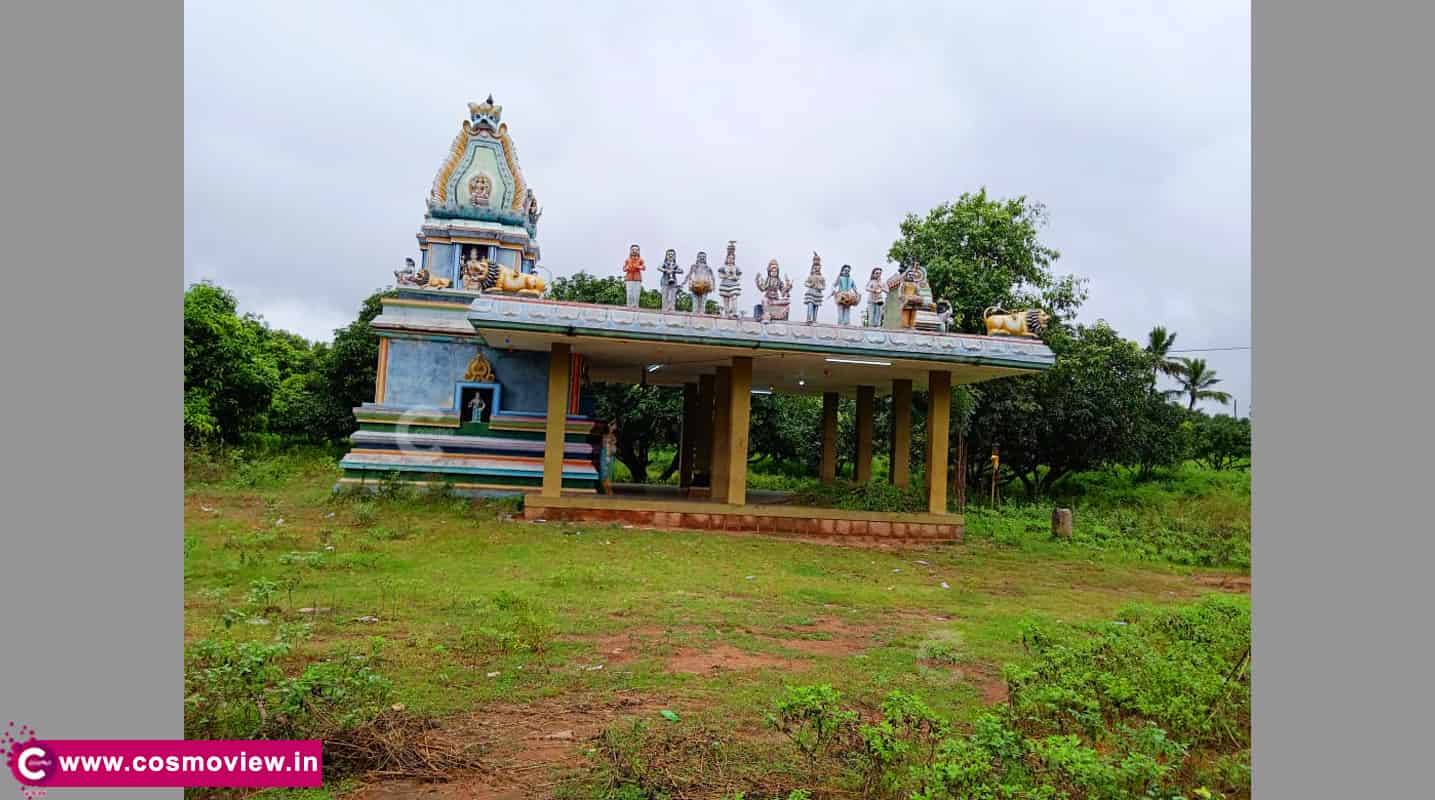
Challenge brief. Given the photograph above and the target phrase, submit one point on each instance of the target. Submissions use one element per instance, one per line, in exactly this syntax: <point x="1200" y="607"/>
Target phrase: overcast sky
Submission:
<point x="313" y="132"/>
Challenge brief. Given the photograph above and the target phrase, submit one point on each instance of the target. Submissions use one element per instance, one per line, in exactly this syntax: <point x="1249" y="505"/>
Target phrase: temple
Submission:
<point x="485" y="385"/>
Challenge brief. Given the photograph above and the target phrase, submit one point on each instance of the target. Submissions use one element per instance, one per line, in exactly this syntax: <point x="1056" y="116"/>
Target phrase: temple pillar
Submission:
<point x="901" y="469"/>
<point x="687" y="438"/>
<point x="739" y="417"/>
<point x="828" y="471"/>
<point x="862" y="472"/>
<point x="722" y="428"/>
<point x="939" y="416"/>
<point x="703" y="450"/>
<point x="555" y="424"/>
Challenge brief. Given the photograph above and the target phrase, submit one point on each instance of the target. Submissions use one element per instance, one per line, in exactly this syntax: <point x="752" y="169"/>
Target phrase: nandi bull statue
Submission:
<point x="1028" y="322"/>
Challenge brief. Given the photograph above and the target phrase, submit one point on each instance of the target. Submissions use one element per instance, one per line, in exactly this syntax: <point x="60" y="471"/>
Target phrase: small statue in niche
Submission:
<point x="670" y="283"/>
<point x="775" y="292"/>
<point x="410" y="275"/>
<point x="845" y="290"/>
<point x="729" y="281"/>
<point x="477" y="274"/>
<point x="480" y="189"/>
<point x="478" y="407"/>
<point x="700" y="282"/>
<point x="876" y="298"/>
<point x="816" y="285"/>
<point x="633" y="275"/>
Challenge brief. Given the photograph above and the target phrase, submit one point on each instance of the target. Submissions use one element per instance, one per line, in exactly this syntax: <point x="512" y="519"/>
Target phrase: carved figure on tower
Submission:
<point x="844" y="289"/>
<point x="477" y="275"/>
<point x="670" y="283"/>
<point x="633" y="275"/>
<point x="700" y="283"/>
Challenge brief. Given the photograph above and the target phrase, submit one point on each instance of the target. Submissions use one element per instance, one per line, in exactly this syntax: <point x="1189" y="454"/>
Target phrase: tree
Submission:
<point x="980" y="252"/>
<point x="229" y="374"/>
<point x="646" y="416"/>
<point x="1221" y="442"/>
<point x="1196" y="380"/>
<point x="1076" y="416"/>
<point x="1159" y="343"/>
<point x="349" y="370"/>
<point x="784" y="428"/>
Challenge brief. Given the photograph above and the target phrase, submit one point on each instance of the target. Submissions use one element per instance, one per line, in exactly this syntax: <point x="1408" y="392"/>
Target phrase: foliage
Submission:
<point x="229" y="375"/>
<point x="811" y="717"/>
<point x="784" y="429"/>
<point x="980" y="251"/>
<point x="1196" y="380"/>
<point x="1221" y="442"/>
<point x="1159" y="343"/>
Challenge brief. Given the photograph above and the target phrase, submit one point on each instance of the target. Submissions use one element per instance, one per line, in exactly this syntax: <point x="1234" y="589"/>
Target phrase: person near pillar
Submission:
<point x="816" y="285"/>
<point x="671" y="272"/>
<point x="844" y="289"/>
<point x="633" y="275"/>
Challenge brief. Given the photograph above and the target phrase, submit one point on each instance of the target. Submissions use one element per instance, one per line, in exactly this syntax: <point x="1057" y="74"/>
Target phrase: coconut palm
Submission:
<point x="1159" y="343"/>
<point x="1196" y="380"/>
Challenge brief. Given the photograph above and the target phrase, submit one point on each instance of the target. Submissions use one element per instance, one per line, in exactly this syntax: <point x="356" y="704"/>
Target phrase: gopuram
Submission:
<point x="485" y="385"/>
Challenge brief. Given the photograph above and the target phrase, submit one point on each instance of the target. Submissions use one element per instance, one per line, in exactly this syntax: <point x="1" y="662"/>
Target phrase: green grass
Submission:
<point x="442" y="592"/>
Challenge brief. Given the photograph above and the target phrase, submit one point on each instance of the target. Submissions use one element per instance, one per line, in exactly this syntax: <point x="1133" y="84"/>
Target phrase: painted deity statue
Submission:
<point x="700" y="282"/>
<point x="816" y="285"/>
<point x="845" y="290"/>
<point x="478" y="407"/>
<point x="729" y="281"/>
<point x="775" y="292"/>
<point x="876" y="298"/>
<point x="409" y="275"/>
<point x="476" y="274"/>
<point x="633" y="275"/>
<point x="913" y="293"/>
<point x="670" y="283"/>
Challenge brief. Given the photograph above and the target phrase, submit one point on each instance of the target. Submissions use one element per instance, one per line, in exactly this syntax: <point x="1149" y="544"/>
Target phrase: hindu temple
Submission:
<point x="485" y="384"/>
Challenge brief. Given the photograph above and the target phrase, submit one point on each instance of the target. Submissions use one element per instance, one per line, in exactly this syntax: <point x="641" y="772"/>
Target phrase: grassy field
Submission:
<point x="601" y="661"/>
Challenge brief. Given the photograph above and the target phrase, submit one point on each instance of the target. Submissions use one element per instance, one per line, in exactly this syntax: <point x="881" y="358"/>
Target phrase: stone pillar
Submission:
<point x="862" y="472"/>
<point x="703" y="458"/>
<point x="722" y="427"/>
<point x="556" y="422"/>
<point x="687" y="438"/>
<point x="828" y="472"/>
<point x="901" y="471"/>
<point x="939" y="417"/>
<point x="739" y="415"/>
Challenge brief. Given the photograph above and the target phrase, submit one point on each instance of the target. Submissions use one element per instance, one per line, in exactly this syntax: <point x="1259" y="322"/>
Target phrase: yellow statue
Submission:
<point x="475" y="271"/>
<point x="1026" y="322"/>
<point x="510" y="280"/>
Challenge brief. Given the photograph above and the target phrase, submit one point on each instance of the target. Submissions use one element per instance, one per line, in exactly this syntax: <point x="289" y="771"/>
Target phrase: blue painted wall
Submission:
<point x="423" y="373"/>
<point x="524" y="376"/>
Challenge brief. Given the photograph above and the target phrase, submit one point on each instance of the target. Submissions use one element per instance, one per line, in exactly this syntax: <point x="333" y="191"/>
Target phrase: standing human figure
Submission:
<point x="633" y="275"/>
<point x="845" y="290"/>
<point x="671" y="271"/>
<point x="700" y="283"/>
<point x="876" y="298"/>
<point x="816" y="285"/>
<point x="729" y="283"/>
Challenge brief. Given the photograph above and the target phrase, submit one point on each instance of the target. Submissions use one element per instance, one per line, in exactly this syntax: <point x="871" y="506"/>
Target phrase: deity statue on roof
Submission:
<point x="477" y="275"/>
<point x="845" y="290"/>
<point x="775" y="292"/>
<point x="910" y="289"/>
<point x="876" y="298"/>
<point x="633" y="275"/>
<point x="409" y="275"/>
<point x="816" y="285"/>
<point x="670" y="283"/>
<point x="700" y="282"/>
<point x="729" y="283"/>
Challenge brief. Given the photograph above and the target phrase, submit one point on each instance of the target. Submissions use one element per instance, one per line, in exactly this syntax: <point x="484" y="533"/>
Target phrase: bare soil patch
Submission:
<point x="725" y="657"/>
<point x="830" y="637"/>
<point x="526" y="748"/>
<point x="1229" y="583"/>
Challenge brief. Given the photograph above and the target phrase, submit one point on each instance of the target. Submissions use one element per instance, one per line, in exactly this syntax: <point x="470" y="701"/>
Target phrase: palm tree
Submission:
<point x="1159" y="343"/>
<point x="1196" y="380"/>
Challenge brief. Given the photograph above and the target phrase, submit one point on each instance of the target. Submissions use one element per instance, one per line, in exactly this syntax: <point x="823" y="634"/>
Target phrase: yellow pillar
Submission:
<point x="703" y="460"/>
<point x="862" y="471"/>
<point x="739" y="415"/>
<point x="554" y="426"/>
<point x="901" y="471"/>
<point x="722" y="427"/>
<point x="687" y="438"/>
<point x="939" y="416"/>
<point x="828" y="473"/>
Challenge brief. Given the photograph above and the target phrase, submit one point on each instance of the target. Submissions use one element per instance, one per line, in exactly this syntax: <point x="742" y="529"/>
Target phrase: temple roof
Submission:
<point x="479" y="179"/>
